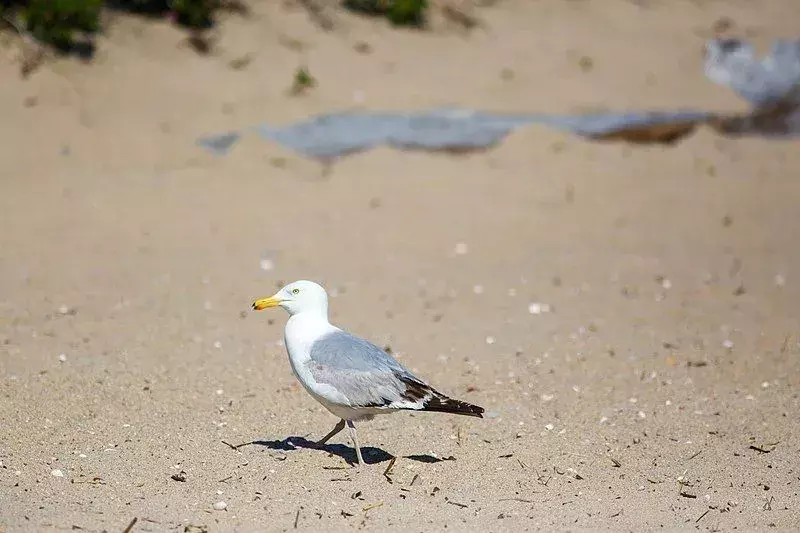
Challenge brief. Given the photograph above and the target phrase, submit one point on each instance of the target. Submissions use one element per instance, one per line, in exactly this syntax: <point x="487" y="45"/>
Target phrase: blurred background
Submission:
<point x="623" y="304"/>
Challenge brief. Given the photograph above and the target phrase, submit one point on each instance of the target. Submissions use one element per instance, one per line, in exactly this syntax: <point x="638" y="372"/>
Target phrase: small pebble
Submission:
<point x="765" y="385"/>
<point x="62" y="357"/>
<point x="477" y="289"/>
<point x="57" y="473"/>
<point x="220" y="506"/>
<point x="549" y="427"/>
<point x="547" y="397"/>
<point x="461" y="248"/>
<point x="727" y="344"/>
<point x="63" y="310"/>
<point x="780" y="281"/>
<point x="220" y="392"/>
<point x="490" y="340"/>
<point x="537" y="308"/>
<point x="217" y="344"/>
<point x="642" y="415"/>
<point x="266" y="264"/>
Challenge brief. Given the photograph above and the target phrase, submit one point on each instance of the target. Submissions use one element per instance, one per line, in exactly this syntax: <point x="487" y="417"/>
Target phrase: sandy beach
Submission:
<point x="626" y="314"/>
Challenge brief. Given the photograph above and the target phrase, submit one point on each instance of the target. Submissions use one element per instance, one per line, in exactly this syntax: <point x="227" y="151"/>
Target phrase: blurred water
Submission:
<point x="770" y="84"/>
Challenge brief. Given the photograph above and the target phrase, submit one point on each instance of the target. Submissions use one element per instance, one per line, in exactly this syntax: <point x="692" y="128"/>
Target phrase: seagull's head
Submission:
<point x="298" y="297"/>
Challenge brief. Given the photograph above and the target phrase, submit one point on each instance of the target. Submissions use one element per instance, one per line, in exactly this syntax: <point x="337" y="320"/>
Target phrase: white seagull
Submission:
<point x="351" y="377"/>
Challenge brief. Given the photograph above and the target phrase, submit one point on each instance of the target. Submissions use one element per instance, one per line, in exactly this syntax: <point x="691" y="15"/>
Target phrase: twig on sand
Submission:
<point x="389" y="470"/>
<point x="523" y="500"/>
<point x="372" y="506"/>
<point x="236" y="448"/>
<point x="768" y="504"/>
<point x="296" y="518"/>
<point x="682" y="482"/>
<point x="615" y="462"/>
<point x="463" y="506"/>
<point x="130" y="526"/>
<point x="763" y="449"/>
<point x="542" y="480"/>
<point x="702" y="515"/>
<point x="695" y="455"/>
<point x="413" y="479"/>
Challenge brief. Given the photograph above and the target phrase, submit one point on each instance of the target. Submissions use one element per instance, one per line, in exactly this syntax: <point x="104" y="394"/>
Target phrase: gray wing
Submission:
<point x="365" y="374"/>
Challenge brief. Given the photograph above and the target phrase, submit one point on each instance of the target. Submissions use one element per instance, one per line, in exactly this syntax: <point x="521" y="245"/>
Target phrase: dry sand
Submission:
<point x="670" y="352"/>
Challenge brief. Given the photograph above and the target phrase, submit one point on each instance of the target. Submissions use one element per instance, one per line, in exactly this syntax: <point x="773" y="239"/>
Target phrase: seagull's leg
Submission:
<point x="354" y="436"/>
<point x="336" y="429"/>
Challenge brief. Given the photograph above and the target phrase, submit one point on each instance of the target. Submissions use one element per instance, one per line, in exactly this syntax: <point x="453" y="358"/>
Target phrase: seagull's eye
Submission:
<point x="295" y="291"/>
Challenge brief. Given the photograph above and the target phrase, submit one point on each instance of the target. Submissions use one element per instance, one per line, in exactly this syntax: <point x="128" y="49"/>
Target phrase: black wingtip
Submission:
<point x="443" y="404"/>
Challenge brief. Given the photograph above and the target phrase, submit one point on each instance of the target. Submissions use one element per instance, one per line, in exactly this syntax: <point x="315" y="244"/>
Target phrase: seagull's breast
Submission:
<point x="299" y="335"/>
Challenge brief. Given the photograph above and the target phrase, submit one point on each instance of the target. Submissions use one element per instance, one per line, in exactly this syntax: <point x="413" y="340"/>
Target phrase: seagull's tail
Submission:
<point x="420" y="396"/>
<point x="442" y="404"/>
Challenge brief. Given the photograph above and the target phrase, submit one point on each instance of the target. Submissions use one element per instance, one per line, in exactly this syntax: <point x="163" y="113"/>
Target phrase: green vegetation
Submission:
<point x="399" y="12"/>
<point x="70" y="25"/>
<point x="59" y="23"/>
<point x="302" y="82"/>
<point x="55" y="22"/>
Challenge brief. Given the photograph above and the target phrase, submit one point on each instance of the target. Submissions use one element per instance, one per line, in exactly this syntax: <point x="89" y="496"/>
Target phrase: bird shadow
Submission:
<point x="370" y="454"/>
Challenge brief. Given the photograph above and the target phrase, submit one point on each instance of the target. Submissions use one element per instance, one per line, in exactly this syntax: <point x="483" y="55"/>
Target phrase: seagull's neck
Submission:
<point x="307" y="326"/>
<point x="311" y="315"/>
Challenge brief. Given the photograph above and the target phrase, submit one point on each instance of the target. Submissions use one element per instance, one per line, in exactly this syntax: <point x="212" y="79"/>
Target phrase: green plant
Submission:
<point x="195" y="13"/>
<point x="398" y="12"/>
<point x="190" y="13"/>
<point x="302" y="81"/>
<point x="55" y="22"/>
<point x="407" y="12"/>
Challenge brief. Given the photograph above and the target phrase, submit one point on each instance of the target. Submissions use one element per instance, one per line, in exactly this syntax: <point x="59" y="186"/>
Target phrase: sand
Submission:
<point x="658" y="390"/>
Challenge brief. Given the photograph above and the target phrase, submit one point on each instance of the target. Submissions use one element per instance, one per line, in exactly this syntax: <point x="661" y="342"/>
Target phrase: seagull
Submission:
<point x="351" y="377"/>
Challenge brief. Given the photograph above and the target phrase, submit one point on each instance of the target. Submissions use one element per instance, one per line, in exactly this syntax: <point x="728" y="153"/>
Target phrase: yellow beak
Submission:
<point x="264" y="303"/>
